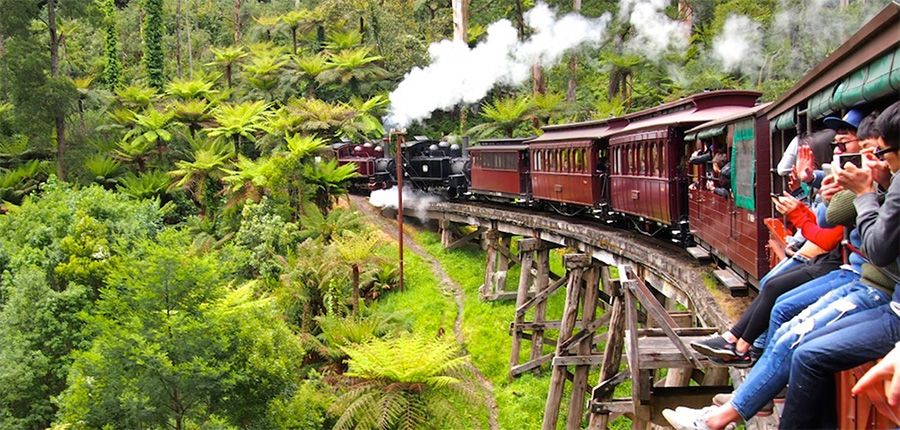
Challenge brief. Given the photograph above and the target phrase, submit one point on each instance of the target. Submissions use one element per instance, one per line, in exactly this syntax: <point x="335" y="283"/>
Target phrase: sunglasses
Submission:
<point x="879" y="154"/>
<point x="843" y="145"/>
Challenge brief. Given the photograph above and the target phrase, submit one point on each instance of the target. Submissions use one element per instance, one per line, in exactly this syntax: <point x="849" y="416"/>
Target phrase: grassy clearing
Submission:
<point x="486" y="330"/>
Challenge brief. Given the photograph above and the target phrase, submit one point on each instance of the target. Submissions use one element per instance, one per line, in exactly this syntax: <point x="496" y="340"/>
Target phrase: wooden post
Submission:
<point x="526" y="250"/>
<point x="542" y="282"/>
<point x="579" y="382"/>
<point x="446" y="233"/>
<point x="498" y="284"/>
<point x="612" y="354"/>
<point x="490" y="238"/>
<point x="576" y="264"/>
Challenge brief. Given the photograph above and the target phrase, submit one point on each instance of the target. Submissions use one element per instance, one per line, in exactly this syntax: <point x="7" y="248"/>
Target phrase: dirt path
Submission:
<point x="450" y="287"/>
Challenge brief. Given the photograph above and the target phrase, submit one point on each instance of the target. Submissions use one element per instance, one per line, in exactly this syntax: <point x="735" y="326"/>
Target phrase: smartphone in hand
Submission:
<point x="853" y="158"/>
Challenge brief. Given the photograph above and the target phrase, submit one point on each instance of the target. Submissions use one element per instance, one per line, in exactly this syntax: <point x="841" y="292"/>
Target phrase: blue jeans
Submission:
<point x="852" y="341"/>
<point x="770" y="374"/>
<point x="781" y="267"/>
<point x="793" y="302"/>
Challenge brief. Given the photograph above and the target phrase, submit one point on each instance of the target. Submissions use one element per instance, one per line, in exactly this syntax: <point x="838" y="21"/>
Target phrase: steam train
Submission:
<point x="635" y="168"/>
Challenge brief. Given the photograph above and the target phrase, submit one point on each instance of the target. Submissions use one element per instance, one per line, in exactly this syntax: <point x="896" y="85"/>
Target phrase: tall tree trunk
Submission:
<point x="190" y="48"/>
<point x="178" y="38"/>
<point x="354" y="301"/>
<point x="573" y="64"/>
<point x="237" y="22"/>
<point x="2" y="74"/>
<point x="537" y="88"/>
<point x="54" y="72"/>
<point x="460" y="20"/>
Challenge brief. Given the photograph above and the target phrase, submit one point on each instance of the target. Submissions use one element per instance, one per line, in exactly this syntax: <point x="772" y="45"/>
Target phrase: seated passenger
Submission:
<point x="867" y="335"/>
<point x="880" y="233"/>
<point x="734" y="346"/>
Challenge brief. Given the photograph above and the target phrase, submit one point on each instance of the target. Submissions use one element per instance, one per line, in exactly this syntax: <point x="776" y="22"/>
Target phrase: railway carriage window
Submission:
<point x="662" y="158"/>
<point x="654" y="159"/>
<point x="642" y="162"/>
<point x="564" y="160"/>
<point x="579" y="160"/>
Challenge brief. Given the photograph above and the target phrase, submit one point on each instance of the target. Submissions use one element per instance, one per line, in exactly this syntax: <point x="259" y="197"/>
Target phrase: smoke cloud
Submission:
<point x="739" y="45"/>
<point x="458" y="74"/>
<point x="655" y="33"/>
<point x="414" y="202"/>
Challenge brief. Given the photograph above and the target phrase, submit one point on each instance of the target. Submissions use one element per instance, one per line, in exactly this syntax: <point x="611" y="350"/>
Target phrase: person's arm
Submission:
<point x="826" y="238"/>
<point x="879" y="226"/>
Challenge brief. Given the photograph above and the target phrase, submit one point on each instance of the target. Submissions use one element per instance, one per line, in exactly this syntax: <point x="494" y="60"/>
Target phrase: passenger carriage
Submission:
<point x="500" y="169"/>
<point x="570" y="166"/>
<point x="730" y="226"/>
<point x="363" y="156"/>
<point x="648" y="169"/>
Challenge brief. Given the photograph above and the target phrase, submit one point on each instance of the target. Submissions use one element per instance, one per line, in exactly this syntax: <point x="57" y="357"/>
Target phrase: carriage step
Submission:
<point x="733" y="282"/>
<point x="698" y="253"/>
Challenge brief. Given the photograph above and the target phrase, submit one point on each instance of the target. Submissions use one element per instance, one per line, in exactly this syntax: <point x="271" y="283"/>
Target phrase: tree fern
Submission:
<point x="405" y="383"/>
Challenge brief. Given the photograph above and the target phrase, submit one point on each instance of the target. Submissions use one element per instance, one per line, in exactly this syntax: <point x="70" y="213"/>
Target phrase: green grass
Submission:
<point x="486" y="330"/>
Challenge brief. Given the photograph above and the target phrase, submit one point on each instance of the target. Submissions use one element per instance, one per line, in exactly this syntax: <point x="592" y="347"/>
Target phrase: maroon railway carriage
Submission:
<point x="730" y="226"/>
<point x="364" y="156"/>
<point x="500" y="169"/>
<point x="648" y="174"/>
<point x="570" y="165"/>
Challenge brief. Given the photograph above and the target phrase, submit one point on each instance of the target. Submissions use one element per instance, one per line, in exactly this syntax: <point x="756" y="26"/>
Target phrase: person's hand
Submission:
<point x="881" y="170"/>
<point x="793" y="182"/>
<point x="786" y="203"/>
<point x="829" y="187"/>
<point x="806" y="164"/>
<point x="887" y="370"/>
<point x="856" y="179"/>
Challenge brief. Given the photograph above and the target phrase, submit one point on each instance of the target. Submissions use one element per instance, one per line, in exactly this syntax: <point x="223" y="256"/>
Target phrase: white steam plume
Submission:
<point x="655" y="33"/>
<point x="414" y="202"/>
<point x="739" y="45"/>
<point x="460" y="74"/>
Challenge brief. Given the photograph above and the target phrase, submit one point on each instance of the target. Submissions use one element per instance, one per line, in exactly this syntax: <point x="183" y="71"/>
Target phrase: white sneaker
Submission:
<point x="688" y="419"/>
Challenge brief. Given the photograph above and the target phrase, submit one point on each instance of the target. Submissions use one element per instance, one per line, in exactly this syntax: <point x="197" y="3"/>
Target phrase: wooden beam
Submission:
<point x="578" y="360"/>
<point x="584" y="347"/>
<point x="541" y="296"/>
<point x="533" y="364"/>
<point x="466" y="239"/>
<point x="666" y="323"/>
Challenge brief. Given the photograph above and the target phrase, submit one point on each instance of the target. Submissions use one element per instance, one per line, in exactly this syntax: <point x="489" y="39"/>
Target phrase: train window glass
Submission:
<point x="564" y="160"/>
<point x="654" y="159"/>
<point x="579" y="160"/>
<point x="642" y="162"/>
<point x="659" y="158"/>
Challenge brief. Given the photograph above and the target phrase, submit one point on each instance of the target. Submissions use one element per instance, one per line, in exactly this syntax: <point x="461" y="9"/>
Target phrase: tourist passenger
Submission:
<point x="771" y="373"/>
<point x="867" y="335"/>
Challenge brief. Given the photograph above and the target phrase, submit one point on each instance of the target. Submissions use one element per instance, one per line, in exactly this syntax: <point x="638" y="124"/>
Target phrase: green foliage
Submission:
<point x="65" y="244"/>
<point x="326" y="181"/>
<point x="104" y="170"/>
<point x="112" y="69"/>
<point x="266" y="236"/>
<point x="504" y="115"/>
<point x="147" y="185"/>
<point x="153" y="31"/>
<point x="201" y="348"/>
<point x="409" y="382"/>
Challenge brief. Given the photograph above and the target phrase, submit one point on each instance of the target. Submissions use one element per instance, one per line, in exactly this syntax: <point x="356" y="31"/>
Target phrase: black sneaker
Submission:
<point x="755" y="353"/>
<point x="714" y="346"/>
<point x="739" y="361"/>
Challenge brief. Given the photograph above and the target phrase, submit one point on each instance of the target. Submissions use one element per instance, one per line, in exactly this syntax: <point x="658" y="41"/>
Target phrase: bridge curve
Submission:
<point x="670" y="269"/>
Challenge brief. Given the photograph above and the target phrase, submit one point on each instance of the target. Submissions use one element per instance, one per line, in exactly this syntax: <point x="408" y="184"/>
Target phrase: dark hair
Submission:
<point x="820" y="143"/>
<point x="889" y="124"/>
<point x="867" y="128"/>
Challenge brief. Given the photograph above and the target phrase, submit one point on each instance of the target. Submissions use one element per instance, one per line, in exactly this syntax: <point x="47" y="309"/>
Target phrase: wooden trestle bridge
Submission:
<point x="641" y="315"/>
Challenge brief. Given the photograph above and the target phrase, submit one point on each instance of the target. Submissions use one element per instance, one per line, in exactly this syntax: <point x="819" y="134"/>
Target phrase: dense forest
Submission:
<point x="175" y="251"/>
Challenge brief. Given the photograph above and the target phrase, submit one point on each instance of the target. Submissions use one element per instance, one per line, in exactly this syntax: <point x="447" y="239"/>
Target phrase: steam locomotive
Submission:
<point x="635" y="169"/>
